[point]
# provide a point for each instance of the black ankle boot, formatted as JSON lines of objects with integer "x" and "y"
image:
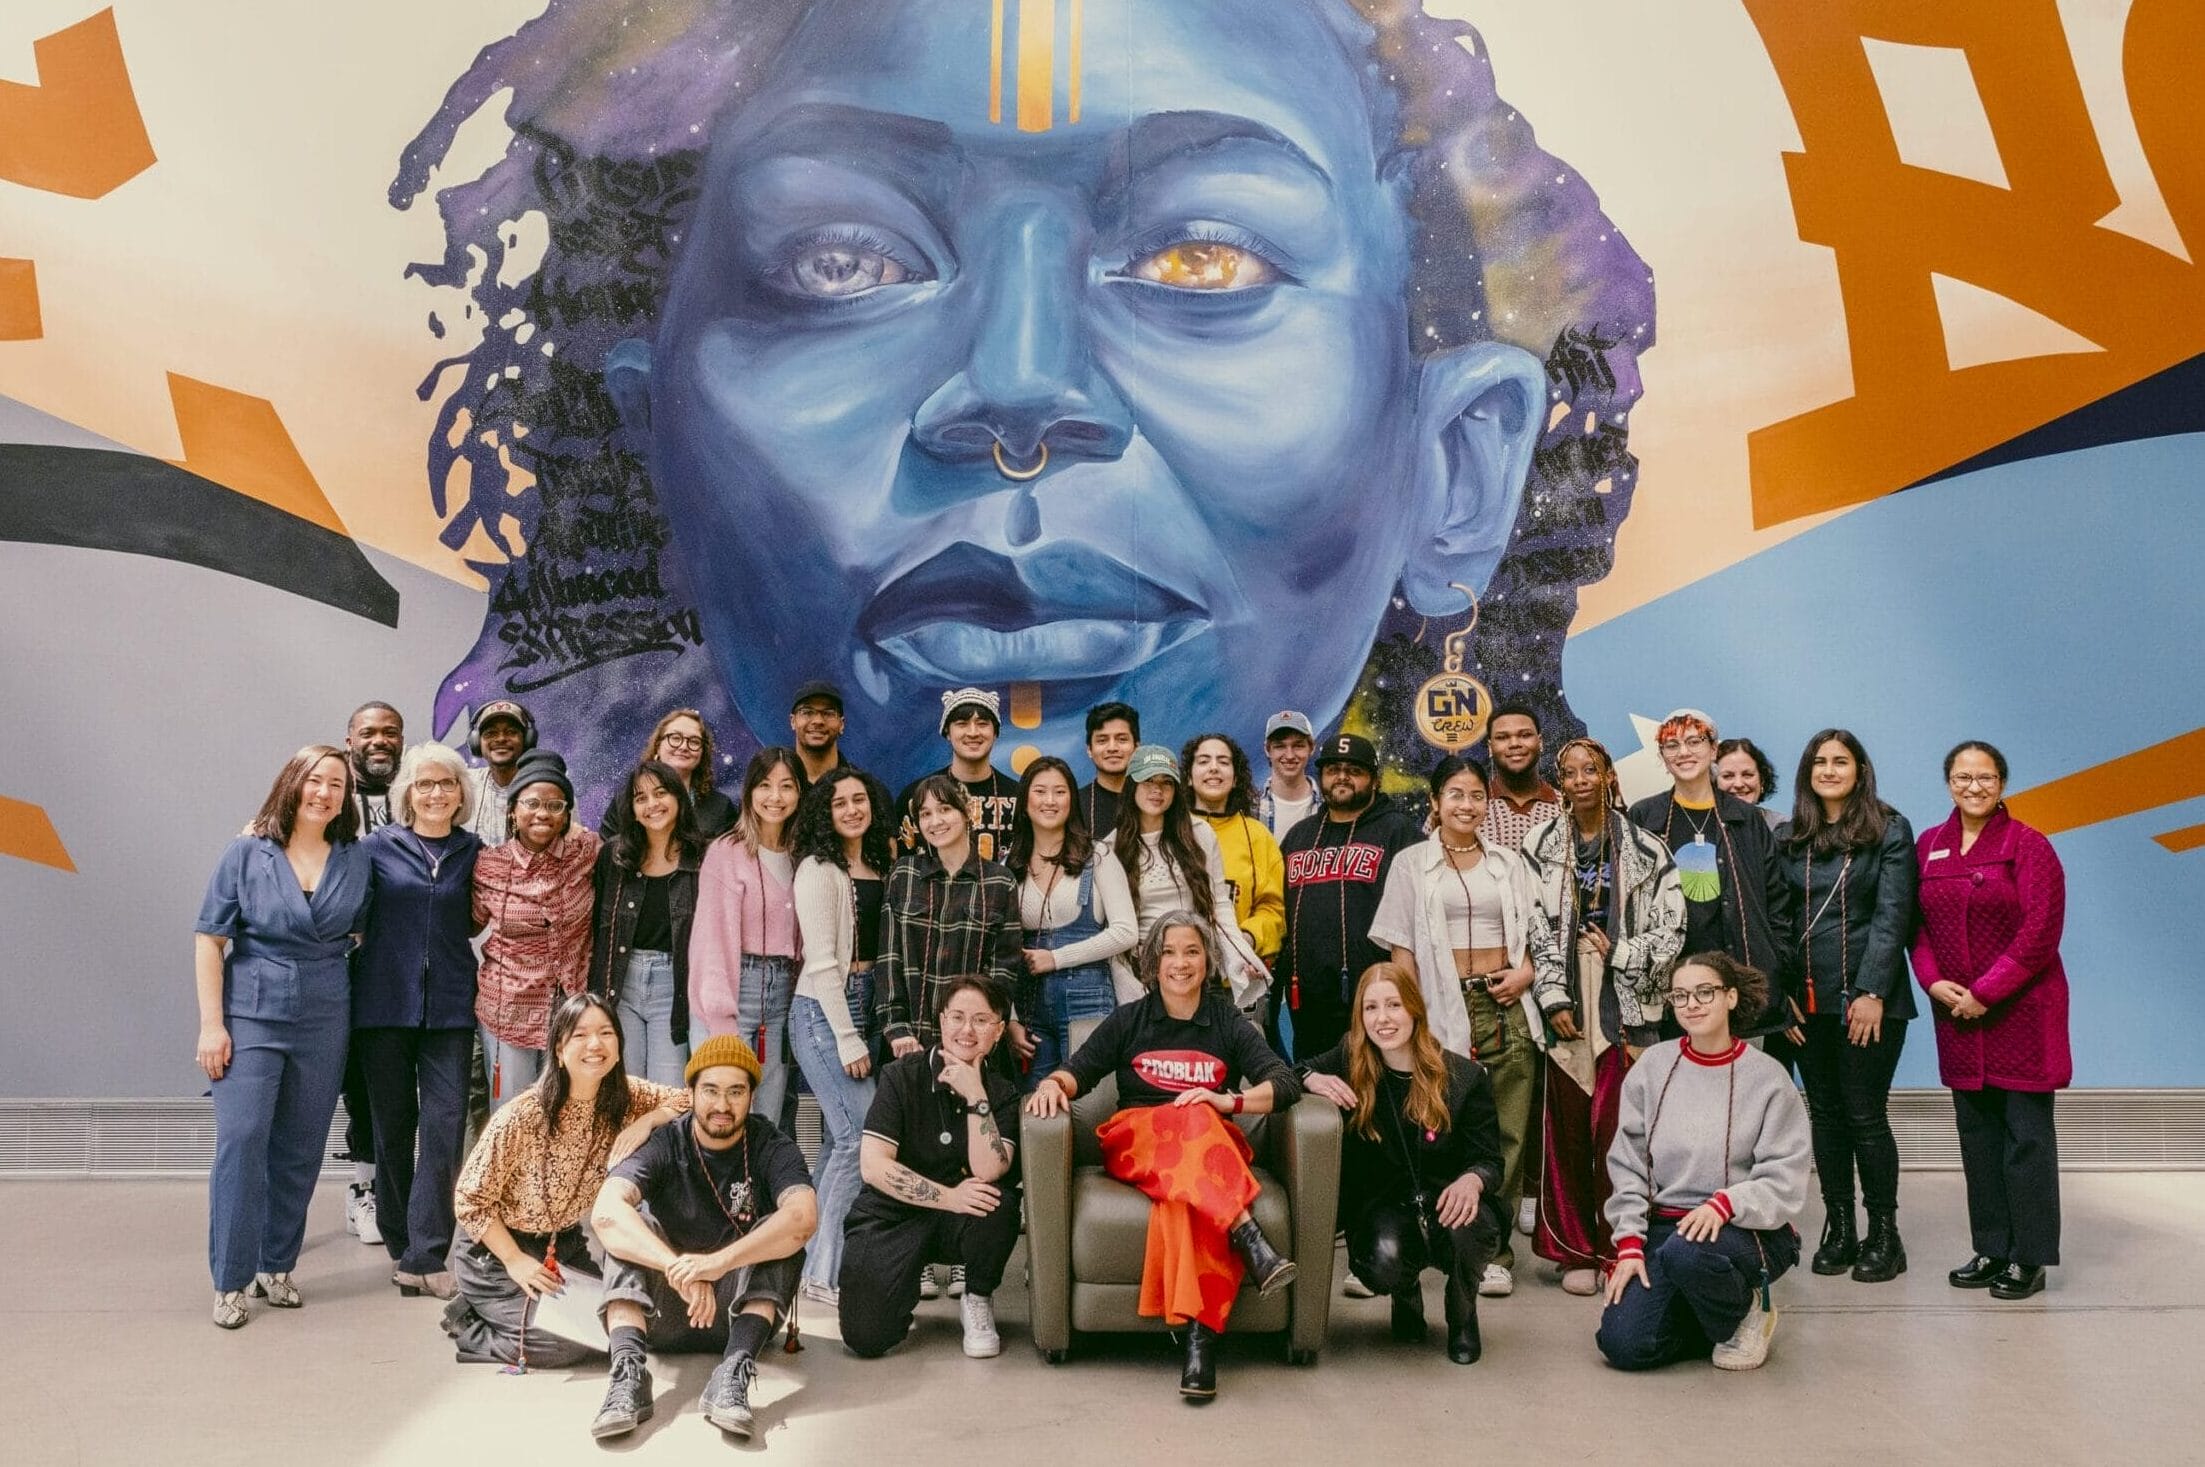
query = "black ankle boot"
{"x": 1882, "y": 1255}
{"x": 1408, "y": 1316}
{"x": 1840, "y": 1244}
{"x": 1198, "y": 1378}
{"x": 1463, "y": 1344}
{"x": 1267, "y": 1270}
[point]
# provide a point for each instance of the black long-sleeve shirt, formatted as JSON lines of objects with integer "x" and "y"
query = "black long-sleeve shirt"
{"x": 1404, "y": 1159}
{"x": 1156, "y": 1056}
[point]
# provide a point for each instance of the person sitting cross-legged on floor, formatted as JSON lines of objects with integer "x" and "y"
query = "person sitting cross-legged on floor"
{"x": 937, "y": 1154}
{"x": 704, "y": 1227}
{"x": 1708, "y": 1169}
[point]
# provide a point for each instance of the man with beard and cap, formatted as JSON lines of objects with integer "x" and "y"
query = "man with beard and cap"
{"x": 374, "y": 738}
{"x": 815, "y": 729}
{"x": 1336, "y": 864}
{"x": 503, "y": 732}
{"x": 972, "y": 719}
{"x": 712, "y": 1266}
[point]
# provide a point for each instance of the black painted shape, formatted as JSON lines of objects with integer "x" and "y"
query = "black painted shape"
{"x": 2163, "y": 405}
{"x": 100, "y": 499}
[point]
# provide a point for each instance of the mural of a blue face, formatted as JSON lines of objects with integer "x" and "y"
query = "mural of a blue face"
{"x": 1189, "y": 308}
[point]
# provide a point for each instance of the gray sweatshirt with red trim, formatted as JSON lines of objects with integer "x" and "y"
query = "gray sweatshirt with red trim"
{"x": 1674, "y": 1161}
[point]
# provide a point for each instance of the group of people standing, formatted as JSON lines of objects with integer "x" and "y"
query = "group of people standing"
{"x": 1532, "y": 999}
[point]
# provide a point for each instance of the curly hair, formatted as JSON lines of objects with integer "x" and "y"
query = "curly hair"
{"x": 815, "y": 835}
{"x": 1241, "y": 798}
{"x": 565, "y": 247}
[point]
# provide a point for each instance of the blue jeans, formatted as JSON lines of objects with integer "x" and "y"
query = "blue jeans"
{"x": 510, "y": 1068}
{"x": 1071, "y": 994}
{"x": 1695, "y": 1294}
{"x": 764, "y": 987}
{"x": 647, "y": 1020}
{"x": 842, "y": 1106}
{"x": 272, "y": 1108}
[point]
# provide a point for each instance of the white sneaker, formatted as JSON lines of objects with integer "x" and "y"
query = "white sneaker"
{"x": 1749, "y": 1346}
{"x": 956, "y": 1288}
{"x": 981, "y": 1340}
{"x": 1527, "y": 1216}
{"x": 1583, "y": 1282}
{"x": 360, "y": 1216}
{"x": 1355, "y": 1288}
{"x": 930, "y": 1281}
{"x": 1496, "y": 1283}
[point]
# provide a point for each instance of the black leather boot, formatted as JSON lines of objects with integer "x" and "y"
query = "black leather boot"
{"x": 1408, "y": 1316}
{"x": 1882, "y": 1255}
{"x": 1198, "y": 1378}
{"x": 1463, "y": 1344}
{"x": 1979, "y": 1272}
{"x": 1267, "y": 1269}
{"x": 1840, "y": 1244}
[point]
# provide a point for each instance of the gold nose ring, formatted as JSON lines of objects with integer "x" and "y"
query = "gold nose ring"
{"x": 1020, "y": 476}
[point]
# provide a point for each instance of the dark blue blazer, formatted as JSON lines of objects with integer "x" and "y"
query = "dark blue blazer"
{"x": 416, "y": 970}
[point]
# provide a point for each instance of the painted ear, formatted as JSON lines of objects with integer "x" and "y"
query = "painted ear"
{"x": 628, "y": 380}
{"x": 1479, "y": 411}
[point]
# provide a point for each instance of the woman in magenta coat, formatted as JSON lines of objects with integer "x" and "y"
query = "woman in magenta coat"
{"x": 1987, "y": 951}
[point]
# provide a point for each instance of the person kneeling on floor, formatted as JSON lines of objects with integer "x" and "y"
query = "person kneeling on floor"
{"x": 1708, "y": 1169}
{"x": 940, "y": 1141}
{"x": 703, "y": 1227}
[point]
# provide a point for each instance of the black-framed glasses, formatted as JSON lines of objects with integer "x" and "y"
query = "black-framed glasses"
{"x": 692, "y": 742}
{"x": 1682, "y": 998}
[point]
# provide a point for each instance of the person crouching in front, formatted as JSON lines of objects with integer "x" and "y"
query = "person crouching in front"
{"x": 714, "y": 1265}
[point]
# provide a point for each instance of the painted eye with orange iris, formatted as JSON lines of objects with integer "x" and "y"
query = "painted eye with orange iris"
{"x": 1204, "y": 264}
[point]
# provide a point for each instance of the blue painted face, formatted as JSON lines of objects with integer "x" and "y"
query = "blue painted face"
{"x": 1187, "y": 309}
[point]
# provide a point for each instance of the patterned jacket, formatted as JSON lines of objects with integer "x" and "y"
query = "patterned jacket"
{"x": 1645, "y": 927}
{"x": 935, "y": 926}
{"x": 537, "y": 946}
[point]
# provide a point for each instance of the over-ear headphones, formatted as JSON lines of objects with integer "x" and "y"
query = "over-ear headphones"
{"x": 510, "y": 709}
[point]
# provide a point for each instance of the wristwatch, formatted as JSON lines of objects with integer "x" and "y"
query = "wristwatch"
{"x": 976, "y": 1108}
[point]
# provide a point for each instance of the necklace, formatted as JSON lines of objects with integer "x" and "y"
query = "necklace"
{"x": 1453, "y": 849}
{"x": 740, "y": 1216}
{"x": 1294, "y": 982}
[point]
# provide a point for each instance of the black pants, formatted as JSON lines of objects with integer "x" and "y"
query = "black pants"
{"x": 1695, "y": 1294}
{"x": 417, "y": 1088}
{"x": 885, "y": 1244}
{"x": 1849, "y": 1111}
{"x": 2012, "y": 1161}
{"x": 359, "y": 1114}
{"x": 485, "y": 1320}
{"x": 1388, "y": 1251}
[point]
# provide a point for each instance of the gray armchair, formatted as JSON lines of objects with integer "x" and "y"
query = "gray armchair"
{"x": 1087, "y": 1232}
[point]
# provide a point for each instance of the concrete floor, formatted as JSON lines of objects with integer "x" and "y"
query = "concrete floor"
{"x": 108, "y": 1357}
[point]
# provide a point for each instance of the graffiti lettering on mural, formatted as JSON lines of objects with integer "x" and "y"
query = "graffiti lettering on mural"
{"x": 78, "y": 133}
{"x": 1193, "y": 385}
{"x": 2038, "y": 242}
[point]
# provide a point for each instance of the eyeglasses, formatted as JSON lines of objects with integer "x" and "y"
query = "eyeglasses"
{"x": 1973, "y": 781}
{"x": 535, "y": 806}
{"x": 1692, "y": 742}
{"x": 692, "y": 742}
{"x": 436, "y": 786}
{"x": 979, "y": 1023}
{"x": 1692, "y": 998}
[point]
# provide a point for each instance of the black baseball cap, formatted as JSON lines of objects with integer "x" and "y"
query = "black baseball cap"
{"x": 817, "y": 690}
{"x": 1349, "y": 748}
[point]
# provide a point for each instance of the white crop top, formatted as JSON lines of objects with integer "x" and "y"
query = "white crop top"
{"x": 1476, "y": 922}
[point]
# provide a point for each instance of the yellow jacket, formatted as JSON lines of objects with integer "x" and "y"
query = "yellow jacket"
{"x": 1257, "y": 873}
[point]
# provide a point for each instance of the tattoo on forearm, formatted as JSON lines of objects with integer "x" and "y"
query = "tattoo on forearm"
{"x": 994, "y": 1138}
{"x": 910, "y": 1186}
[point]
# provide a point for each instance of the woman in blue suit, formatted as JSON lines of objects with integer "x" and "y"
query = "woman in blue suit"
{"x": 284, "y": 909}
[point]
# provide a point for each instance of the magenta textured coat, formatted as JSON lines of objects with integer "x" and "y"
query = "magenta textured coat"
{"x": 1991, "y": 922}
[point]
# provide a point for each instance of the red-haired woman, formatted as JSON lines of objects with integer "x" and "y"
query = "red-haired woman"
{"x": 1421, "y": 1163}
{"x": 1610, "y": 925}
{"x": 1181, "y": 1053}
{"x": 283, "y": 912}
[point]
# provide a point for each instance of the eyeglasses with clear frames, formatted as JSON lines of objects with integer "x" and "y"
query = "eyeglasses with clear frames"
{"x": 978, "y": 1023}
{"x": 1693, "y": 743}
{"x": 535, "y": 806}
{"x": 436, "y": 786}
{"x": 1973, "y": 781}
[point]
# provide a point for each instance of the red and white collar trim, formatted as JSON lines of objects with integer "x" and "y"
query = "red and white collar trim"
{"x": 1712, "y": 1061}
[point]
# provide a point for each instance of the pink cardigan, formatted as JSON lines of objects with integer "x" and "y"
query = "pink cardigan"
{"x": 742, "y": 911}
{"x": 1991, "y": 922}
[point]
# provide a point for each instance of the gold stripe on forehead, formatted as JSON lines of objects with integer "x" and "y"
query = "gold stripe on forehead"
{"x": 1037, "y": 65}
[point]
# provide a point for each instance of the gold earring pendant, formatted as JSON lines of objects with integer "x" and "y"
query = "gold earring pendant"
{"x": 1453, "y": 708}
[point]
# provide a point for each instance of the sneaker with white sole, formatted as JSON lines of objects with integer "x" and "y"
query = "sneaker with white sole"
{"x": 930, "y": 1281}
{"x": 956, "y": 1288}
{"x": 982, "y": 1341}
{"x": 1527, "y": 1216}
{"x": 1355, "y": 1288}
{"x": 360, "y": 1216}
{"x": 1496, "y": 1282}
{"x": 1748, "y": 1346}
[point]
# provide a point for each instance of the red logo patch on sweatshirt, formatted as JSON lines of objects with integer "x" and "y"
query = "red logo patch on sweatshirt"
{"x": 1180, "y": 1069}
